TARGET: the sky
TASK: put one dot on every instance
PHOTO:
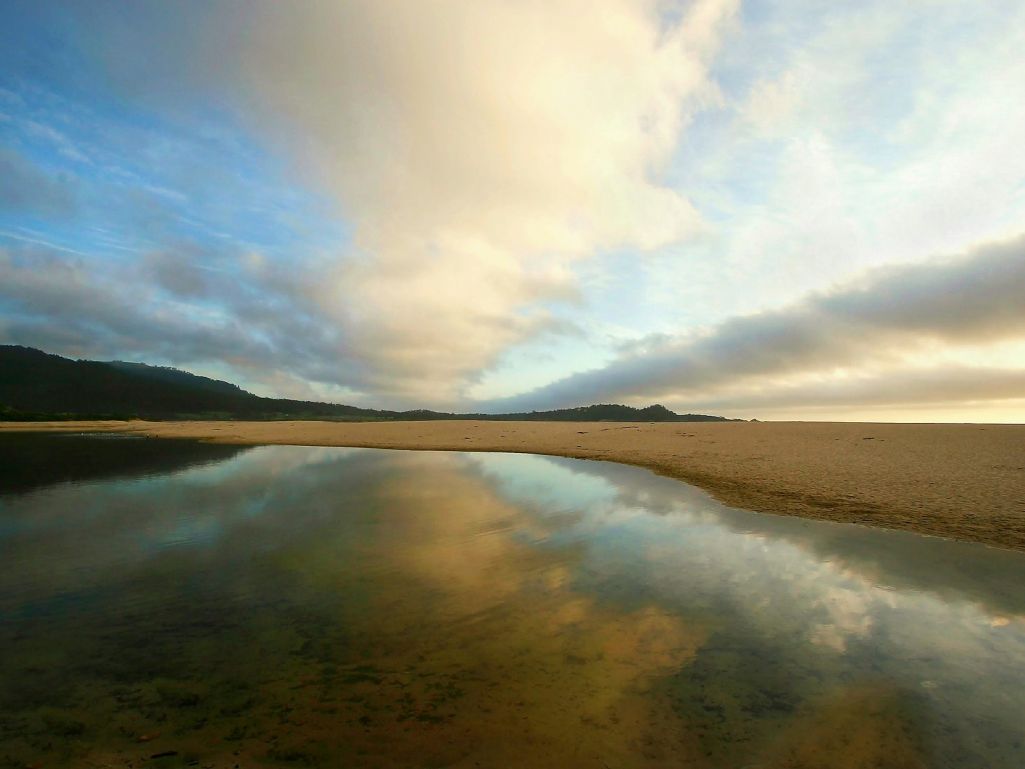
(774, 210)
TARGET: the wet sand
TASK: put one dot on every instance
(959, 481)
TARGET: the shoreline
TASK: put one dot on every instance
(958, 481)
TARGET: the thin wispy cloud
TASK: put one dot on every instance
(25, 188)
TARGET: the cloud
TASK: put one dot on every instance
(853, 135)
(908, 388)
(26, 188)
(259, 324)
(479, 149)
(512, 190)
(882, 319)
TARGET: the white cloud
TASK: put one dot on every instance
(479, 149)
(854, 135)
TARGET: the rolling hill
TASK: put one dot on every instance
(35, 385)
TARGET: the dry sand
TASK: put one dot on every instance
(959, 481)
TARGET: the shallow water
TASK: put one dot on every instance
(175, 604)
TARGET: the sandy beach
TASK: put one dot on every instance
(959, 481)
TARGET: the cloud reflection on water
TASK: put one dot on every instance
(505, 601)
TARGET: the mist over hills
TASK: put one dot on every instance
(35, 385)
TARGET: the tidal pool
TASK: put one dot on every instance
(168, 603)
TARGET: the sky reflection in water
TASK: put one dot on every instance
(318, 606)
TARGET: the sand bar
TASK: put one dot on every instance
(958, 481)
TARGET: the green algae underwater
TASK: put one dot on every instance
(170, 604)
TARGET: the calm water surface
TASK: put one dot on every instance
(177, 604)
